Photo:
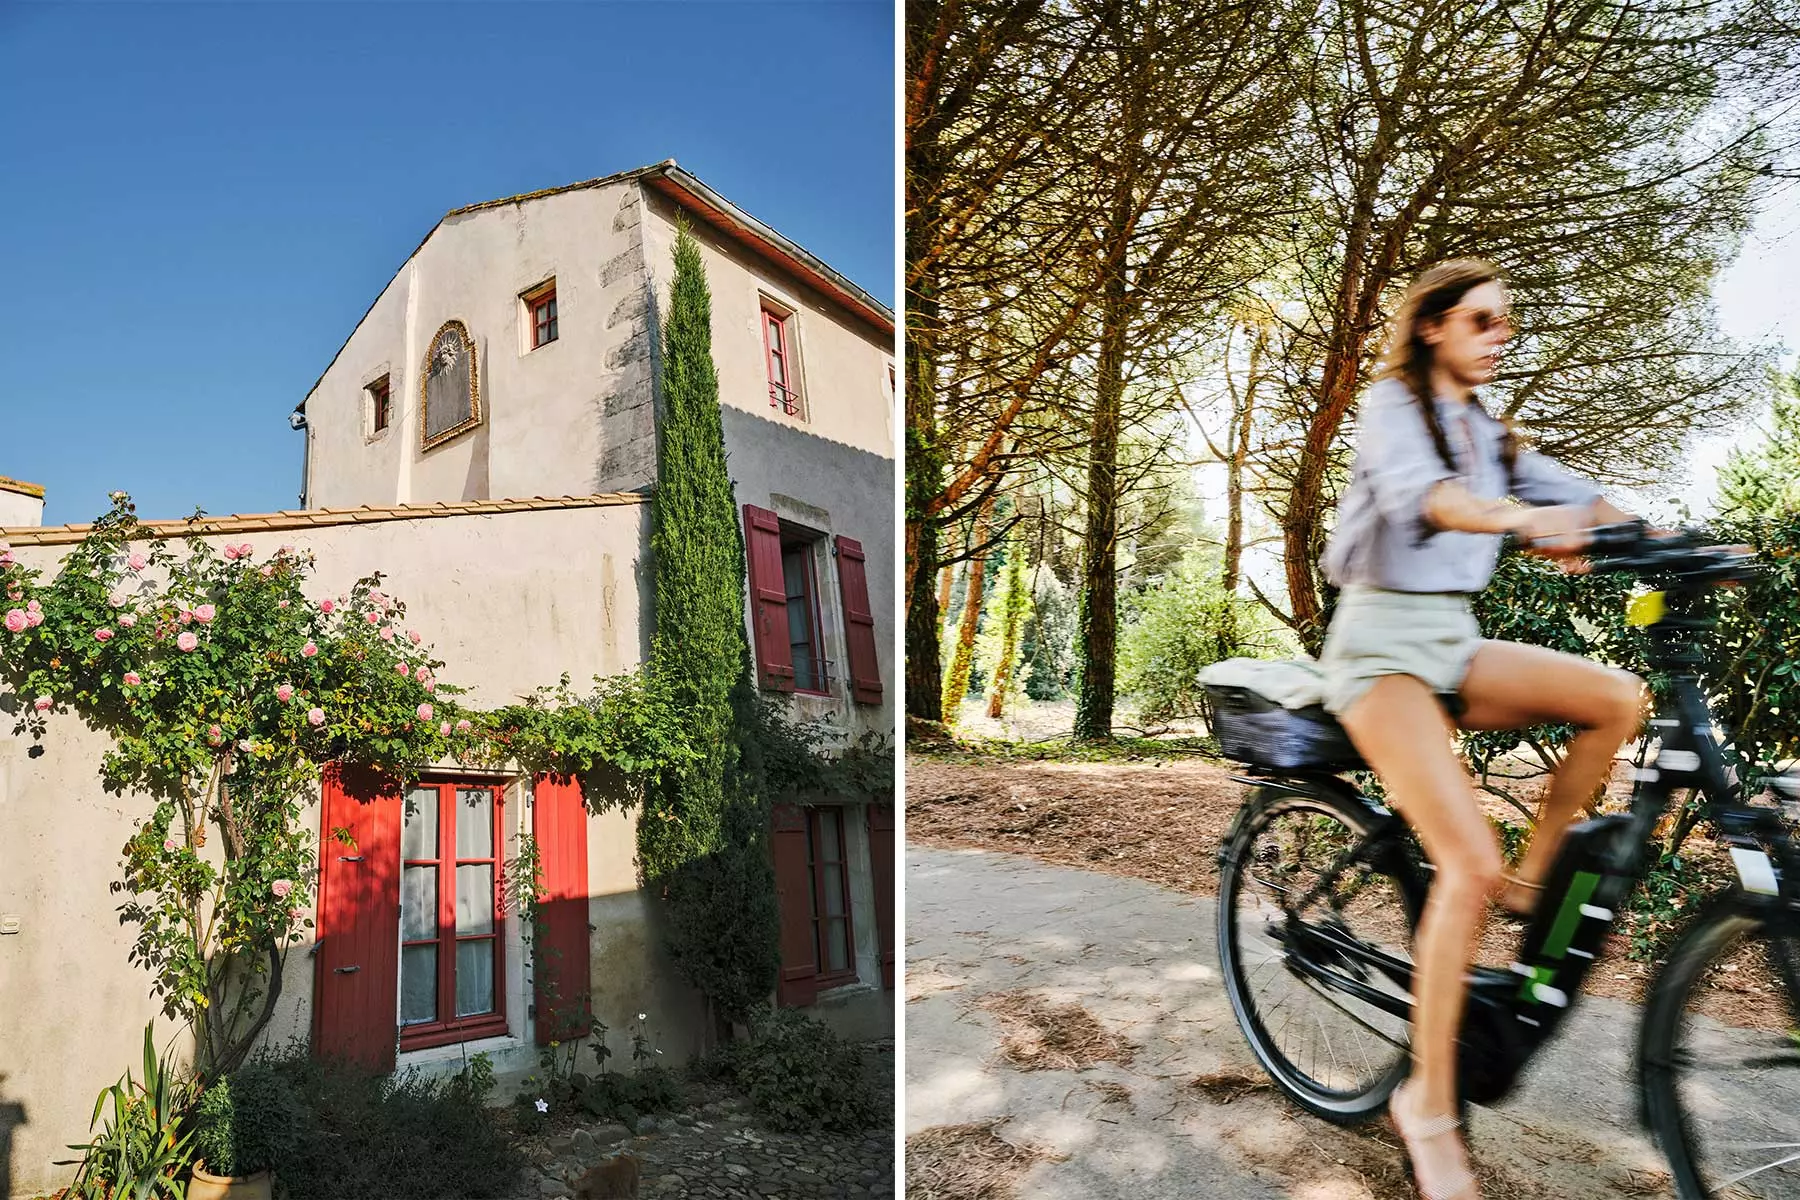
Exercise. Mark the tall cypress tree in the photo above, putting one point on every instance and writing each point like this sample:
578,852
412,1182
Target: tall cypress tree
704,836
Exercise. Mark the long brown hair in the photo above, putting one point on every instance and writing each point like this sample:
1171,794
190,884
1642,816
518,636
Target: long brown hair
1409,356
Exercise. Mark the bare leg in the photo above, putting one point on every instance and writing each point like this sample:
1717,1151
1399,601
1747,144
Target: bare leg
1510,686
1401,732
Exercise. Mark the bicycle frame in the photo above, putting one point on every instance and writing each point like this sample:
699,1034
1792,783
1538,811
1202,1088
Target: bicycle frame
1511,1013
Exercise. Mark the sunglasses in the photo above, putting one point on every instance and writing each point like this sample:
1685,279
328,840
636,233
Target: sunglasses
1485,320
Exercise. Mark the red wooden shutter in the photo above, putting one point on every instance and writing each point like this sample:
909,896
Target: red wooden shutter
356,990
560,955
859,623
881,873
794,897
768,599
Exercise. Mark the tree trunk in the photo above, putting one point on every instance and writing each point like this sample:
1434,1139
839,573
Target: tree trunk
1242,422
924,463
963,657
1012,616
946,581
1097,637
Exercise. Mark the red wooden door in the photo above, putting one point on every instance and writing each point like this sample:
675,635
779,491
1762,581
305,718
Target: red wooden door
560,953
357,976
798,985
881,874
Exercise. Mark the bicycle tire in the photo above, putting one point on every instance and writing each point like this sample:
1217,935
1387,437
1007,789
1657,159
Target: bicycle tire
1243,961
1676,1051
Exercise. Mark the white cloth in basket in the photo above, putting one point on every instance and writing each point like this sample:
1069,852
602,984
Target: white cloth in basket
1289,682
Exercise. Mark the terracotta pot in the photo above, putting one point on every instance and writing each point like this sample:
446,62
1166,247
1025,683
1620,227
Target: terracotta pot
207,1186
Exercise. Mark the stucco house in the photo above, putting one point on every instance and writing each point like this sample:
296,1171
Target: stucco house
486,438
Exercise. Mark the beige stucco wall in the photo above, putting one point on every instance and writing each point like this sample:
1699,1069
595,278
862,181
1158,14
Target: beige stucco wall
569,418
510,601
20,504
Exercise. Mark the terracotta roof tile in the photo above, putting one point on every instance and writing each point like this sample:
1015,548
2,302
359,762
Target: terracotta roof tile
57,535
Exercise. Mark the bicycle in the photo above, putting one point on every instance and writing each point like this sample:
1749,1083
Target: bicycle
1321,885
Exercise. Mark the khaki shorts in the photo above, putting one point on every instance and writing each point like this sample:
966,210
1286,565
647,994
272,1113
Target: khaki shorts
1431,636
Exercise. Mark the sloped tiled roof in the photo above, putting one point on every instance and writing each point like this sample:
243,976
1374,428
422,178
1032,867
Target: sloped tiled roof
313,518
21,487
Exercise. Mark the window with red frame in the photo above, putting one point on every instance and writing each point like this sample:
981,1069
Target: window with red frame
778,347
451,966
801,582
380,404
831,895
542,305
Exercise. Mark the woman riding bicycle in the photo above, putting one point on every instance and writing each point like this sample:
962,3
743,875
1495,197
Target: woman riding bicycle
1418,533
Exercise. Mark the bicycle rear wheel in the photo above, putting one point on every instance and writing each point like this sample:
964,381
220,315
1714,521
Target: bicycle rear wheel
1298,987
1720,1069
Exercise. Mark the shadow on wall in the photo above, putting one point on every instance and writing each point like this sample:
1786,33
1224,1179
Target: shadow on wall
12,1114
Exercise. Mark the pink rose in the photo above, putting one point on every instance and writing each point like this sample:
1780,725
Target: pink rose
126,620
34,606
285,692
119,598
387,633
401,667
34,617
42,704
315,716
6,558
245,550
412,636
187,641
205,613
424,712
268,571
214,734
103,635
132,679
308,650
444,729
281,604
230,552
326,607
430,685
374,618
185,617
463,726
15,620
285,550
137,562
169,845
281,887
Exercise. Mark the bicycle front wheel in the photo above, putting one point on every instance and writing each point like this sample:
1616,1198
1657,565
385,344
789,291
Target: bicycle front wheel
1309,884
1720,1066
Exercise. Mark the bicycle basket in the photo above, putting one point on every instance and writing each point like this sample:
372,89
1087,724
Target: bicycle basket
1254,729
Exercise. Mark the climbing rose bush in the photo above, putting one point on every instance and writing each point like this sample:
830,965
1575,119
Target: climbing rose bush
226,690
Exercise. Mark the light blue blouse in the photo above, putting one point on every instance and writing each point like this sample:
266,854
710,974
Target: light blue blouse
1382,538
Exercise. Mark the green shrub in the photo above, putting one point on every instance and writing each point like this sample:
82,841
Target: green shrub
403,1137
1184,622
138,1153
800,1075
246,1121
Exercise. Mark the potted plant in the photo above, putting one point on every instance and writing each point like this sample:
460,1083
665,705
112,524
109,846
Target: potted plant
244,1124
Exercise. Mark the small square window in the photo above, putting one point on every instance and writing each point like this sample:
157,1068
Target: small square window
540,314
381,402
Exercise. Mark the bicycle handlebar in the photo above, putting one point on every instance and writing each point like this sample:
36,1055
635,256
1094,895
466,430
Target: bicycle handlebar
1631,548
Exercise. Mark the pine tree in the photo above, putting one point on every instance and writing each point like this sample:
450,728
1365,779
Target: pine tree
1765,481
704,836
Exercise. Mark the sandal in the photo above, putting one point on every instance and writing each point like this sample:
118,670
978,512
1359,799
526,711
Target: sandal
1509,901
1460,1186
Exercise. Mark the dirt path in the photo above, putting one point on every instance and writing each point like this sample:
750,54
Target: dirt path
1162,821
1068,1038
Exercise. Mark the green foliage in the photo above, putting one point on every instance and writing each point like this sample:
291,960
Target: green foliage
246,1121
405,1136
1659,909
801,1076
998,646
648,1088
141,1150
1049,639
1764,481
475,1082
1180,624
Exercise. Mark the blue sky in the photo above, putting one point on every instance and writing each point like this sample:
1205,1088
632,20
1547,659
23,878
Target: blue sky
198,201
